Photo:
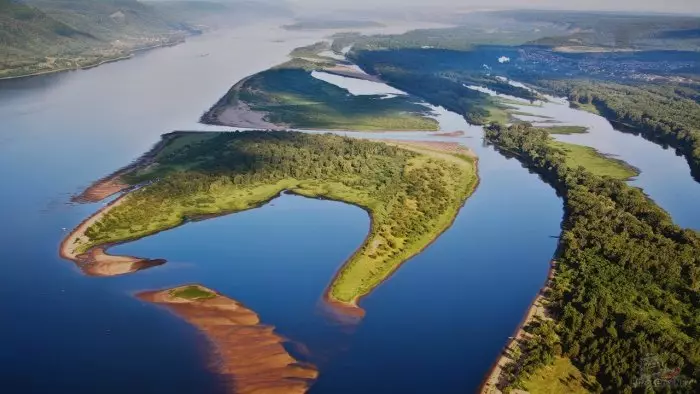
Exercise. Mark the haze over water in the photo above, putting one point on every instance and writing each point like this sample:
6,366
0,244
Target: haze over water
444,316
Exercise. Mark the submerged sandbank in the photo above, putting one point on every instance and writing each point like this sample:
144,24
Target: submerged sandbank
248,354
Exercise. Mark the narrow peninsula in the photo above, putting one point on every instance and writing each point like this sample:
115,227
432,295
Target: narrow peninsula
412,192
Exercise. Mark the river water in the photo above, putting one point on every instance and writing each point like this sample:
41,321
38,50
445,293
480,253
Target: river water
436,326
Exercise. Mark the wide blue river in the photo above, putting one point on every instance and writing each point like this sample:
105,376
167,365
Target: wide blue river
436,326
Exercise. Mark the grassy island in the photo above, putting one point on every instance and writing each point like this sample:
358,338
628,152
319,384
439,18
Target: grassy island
289,96
412,192
624,289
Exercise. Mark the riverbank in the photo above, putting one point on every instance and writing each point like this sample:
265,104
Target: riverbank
248,354
114,182
434,179
348,309
495,378
96,261
130,54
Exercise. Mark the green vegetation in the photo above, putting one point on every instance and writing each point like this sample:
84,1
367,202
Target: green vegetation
441,78
43,36
627,279
557,378
293,97
312,51
39,36
412,194
192,293
566,129
667,114
594,161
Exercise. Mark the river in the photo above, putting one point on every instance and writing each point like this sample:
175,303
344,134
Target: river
435,326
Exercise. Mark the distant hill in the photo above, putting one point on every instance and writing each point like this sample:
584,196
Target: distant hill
332,24
39,36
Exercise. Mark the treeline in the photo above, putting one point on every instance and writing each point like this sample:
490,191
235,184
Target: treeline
441,77
411,197
627,282
667,114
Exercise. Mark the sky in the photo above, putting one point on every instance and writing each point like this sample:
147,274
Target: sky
675,6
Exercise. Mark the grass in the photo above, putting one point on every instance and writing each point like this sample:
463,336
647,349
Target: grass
585,107
412,194
594,161
192,293
293,97
560,377
566,129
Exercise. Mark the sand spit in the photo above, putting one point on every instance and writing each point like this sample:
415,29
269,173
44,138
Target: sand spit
350,72
457,133
495,380
95,261
250,355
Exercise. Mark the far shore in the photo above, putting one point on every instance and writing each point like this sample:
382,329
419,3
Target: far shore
128,56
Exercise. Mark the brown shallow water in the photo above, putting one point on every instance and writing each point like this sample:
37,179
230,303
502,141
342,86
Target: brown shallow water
248,354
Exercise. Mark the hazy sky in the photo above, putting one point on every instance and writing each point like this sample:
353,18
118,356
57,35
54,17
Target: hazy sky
627,5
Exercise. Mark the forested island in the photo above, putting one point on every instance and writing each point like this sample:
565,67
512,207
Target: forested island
624,288
412,192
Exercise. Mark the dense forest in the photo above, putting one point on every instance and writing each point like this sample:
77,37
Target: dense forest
668,114
627,282
412,194
442,77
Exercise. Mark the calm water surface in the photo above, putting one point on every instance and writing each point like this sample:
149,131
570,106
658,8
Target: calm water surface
436,326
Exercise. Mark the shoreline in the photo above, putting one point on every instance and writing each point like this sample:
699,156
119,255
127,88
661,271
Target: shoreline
352,311
537,308
97,262
129,55
111,184
248,354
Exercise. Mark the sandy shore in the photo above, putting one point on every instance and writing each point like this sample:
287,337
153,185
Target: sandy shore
95,261
248,354
457,133
241,115
493,383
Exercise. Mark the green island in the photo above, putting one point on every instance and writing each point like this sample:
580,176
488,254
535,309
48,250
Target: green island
594,161
565,130
289,96
192,292
625,284
412,191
